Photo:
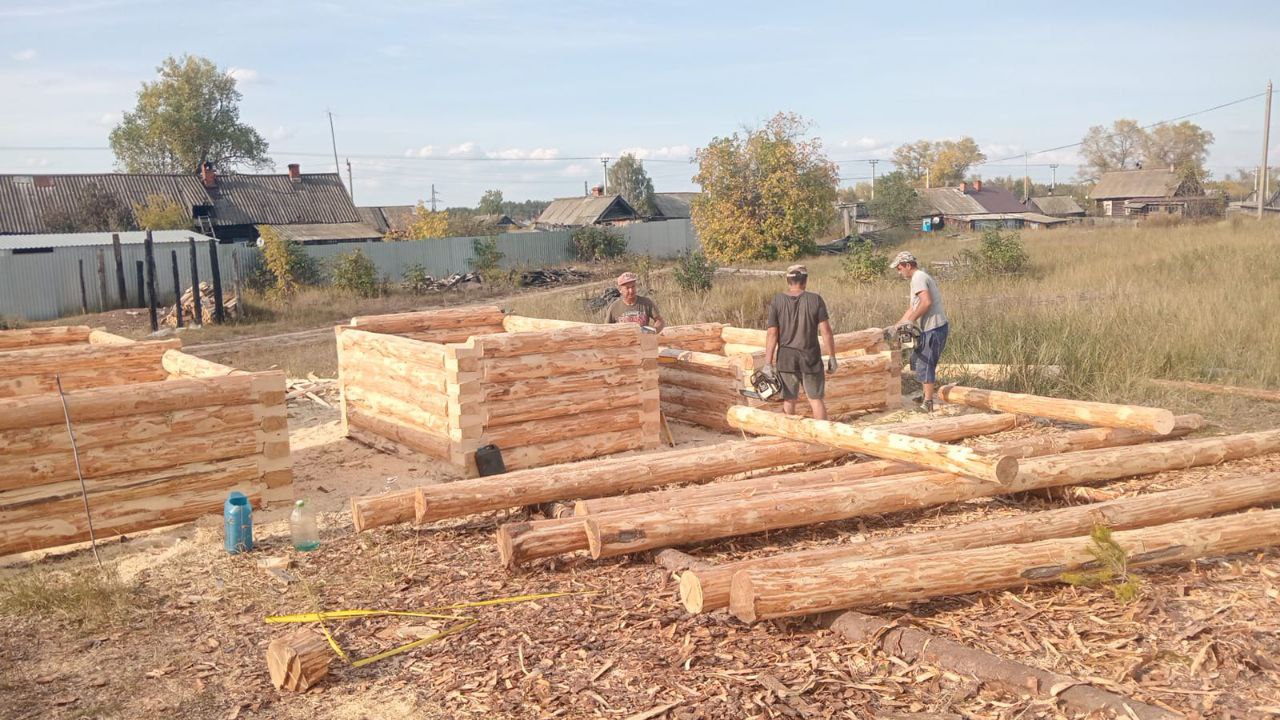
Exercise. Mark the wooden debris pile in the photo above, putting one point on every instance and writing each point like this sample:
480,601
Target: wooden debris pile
321,391
207,305
552,276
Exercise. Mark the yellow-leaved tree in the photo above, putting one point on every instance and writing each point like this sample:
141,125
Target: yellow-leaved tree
423,224
160,212
766,193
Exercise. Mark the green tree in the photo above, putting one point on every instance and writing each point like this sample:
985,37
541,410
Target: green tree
160,212
913,158
1105,150
355,273
1182,146
490,203
895,202
96,210
189,115
595,242
628,178
766,193
952,159
423,224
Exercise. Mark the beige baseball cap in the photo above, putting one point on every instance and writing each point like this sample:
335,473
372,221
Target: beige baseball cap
902,257
797,271
626,277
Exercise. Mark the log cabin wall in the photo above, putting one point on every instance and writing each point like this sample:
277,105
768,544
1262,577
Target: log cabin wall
543,391
158,445
699,387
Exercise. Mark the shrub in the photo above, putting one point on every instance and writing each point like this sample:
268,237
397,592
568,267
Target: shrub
288,265
999,254
863,263
415,279
596,243
356,273
487,255
694,272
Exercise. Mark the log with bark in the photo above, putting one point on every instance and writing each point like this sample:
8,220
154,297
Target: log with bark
764,594
878,443
1135,417
299,660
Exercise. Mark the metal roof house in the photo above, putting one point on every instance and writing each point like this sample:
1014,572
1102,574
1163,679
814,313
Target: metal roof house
229,207
1063,206
975,206
1145,192
589,210
674,204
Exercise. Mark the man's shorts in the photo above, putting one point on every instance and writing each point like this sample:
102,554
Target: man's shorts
929,348
815,385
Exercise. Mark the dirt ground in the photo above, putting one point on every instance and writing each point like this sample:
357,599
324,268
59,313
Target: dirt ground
185,637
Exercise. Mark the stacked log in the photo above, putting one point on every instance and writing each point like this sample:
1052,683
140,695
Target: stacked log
702,337
230,307
1147,419
459,379
763,594
152,454
33,371
28,338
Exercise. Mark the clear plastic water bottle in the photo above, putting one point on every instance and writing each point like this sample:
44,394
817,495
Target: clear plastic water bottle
303,528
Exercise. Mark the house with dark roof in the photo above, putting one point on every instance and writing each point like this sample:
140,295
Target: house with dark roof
975,206
387,218
1062,206
1148,192
229,207
674,205
595,209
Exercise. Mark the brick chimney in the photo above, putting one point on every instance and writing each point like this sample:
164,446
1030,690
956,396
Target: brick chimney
295,172
964,187
597,191
977,186
208,176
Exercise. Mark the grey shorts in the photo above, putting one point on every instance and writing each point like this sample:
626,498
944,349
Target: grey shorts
815,385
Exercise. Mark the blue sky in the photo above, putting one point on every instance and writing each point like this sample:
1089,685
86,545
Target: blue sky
487,94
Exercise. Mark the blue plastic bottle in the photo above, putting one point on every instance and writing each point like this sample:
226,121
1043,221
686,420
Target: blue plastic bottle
237,516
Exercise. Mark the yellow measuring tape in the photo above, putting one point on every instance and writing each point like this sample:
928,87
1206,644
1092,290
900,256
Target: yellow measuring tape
464,621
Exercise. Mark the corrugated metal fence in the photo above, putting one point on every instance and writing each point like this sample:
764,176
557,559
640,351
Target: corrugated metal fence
43,286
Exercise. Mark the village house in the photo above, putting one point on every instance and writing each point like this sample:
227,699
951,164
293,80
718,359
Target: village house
1059,206
1148,192
594,209
978,206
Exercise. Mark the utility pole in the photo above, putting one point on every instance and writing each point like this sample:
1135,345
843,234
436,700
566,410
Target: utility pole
351,184
433,197
585,191
1026,176
334,139
604,161
873,178
926,179
1266,143
1054,187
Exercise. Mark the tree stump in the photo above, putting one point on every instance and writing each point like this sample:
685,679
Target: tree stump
298,660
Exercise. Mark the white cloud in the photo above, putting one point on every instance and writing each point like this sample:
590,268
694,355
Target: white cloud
24,55
393,51
577,169
282,133
670,152
424,151
466,149
522,154
243,75
37,162
110,118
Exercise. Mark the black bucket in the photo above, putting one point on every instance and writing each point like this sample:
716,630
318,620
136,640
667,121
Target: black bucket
489,461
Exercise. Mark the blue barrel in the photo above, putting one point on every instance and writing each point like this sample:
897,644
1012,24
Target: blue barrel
237,516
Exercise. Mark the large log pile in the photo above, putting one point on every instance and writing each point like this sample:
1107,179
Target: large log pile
448,382
208,304
162,438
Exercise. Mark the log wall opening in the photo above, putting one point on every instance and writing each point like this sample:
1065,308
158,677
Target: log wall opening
447,382
163,436
704,366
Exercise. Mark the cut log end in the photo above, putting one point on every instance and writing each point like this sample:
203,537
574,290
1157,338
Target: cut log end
421,508
1006,469
691,591
357,517
1164,423
592,528
742,603
506,546
581,508
298,660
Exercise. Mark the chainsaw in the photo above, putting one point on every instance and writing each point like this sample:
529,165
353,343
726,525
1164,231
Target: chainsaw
764,386
905,337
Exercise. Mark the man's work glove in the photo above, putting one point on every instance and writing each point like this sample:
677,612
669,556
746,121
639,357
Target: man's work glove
768,370
831,365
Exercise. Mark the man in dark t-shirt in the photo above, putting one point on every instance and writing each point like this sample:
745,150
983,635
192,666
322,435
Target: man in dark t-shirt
796,317
633,308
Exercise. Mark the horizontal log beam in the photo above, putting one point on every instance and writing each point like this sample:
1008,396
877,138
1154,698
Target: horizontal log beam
1134,417
119,402
586,337
396,323
27,338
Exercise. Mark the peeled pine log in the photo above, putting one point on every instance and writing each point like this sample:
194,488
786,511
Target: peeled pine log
879,443
558,385
571,428
553,363
619,533
102,337
470,316
1090,439
1233,390
453,335
559,452
180,364
670,376
540,408
298,660
48,439
378,346
43,336
857,340
1134,417
699,362
122,402
521,323
522,542
764,594
585,337
1026,447
701,337
359,397
373,430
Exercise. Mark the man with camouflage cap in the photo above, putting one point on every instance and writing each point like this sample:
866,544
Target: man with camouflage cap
796,317
633,308
926,311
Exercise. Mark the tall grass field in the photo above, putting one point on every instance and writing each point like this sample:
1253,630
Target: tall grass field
1112,307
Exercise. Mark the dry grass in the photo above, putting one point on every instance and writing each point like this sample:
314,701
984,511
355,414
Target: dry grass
1111,306
75,593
